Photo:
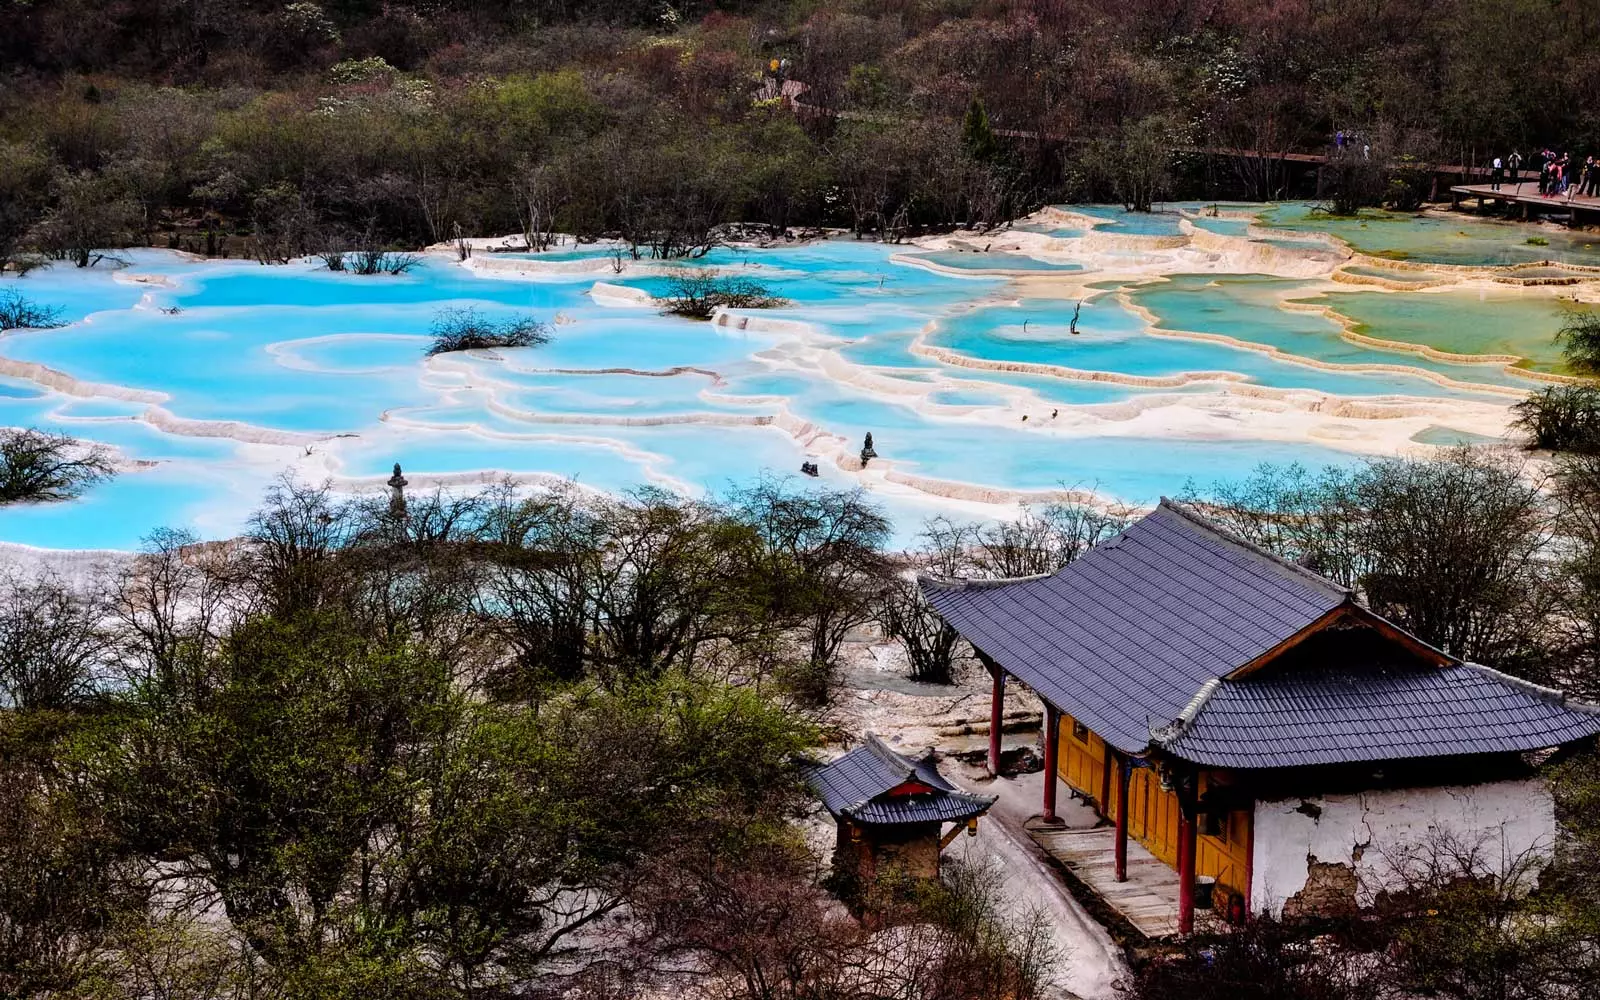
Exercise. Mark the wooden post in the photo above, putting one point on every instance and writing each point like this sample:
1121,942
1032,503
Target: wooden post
1249,858
997,704
1186,846
1105,780
1052,752
1123,771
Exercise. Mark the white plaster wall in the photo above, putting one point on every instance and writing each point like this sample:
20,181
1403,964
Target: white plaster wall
1373,831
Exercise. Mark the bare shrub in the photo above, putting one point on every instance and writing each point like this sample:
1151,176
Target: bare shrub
36,465
20,313
369,261
468,329
1449,548
700,292
51,644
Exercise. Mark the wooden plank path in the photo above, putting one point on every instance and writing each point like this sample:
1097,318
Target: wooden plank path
1148,900
792,91
1524,199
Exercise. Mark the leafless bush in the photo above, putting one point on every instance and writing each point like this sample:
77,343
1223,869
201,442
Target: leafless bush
468,329
51,645
1450,548
367,261
20,313
1040,541
700,292
755,926
39,466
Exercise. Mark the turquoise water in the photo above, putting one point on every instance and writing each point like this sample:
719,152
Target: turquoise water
1223,227
211,379
1164,221
967,260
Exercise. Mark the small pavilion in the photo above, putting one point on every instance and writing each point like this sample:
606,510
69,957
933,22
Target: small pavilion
1252,724
890,809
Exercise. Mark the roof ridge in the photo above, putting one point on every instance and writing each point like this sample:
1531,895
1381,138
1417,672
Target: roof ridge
1537,690
976,583
894,759
1211,527
1169,733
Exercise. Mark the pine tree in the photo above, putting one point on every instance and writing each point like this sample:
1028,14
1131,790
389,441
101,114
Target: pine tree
977,136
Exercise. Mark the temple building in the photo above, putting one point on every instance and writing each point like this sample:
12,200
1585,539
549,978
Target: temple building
890,811
1256,728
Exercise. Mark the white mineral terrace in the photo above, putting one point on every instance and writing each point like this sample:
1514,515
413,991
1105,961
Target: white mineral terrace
1085,353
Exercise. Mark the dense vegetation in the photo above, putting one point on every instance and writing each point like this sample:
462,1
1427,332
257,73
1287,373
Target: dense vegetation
497,744
432,749
247,126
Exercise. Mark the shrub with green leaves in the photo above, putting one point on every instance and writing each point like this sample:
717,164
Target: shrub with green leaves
1579,338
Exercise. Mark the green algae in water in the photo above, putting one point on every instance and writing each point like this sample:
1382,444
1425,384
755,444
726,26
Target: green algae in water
1392,274
1449,437
1437,238
1250,308
1468,321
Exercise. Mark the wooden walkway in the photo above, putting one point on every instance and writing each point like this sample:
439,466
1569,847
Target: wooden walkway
1524,200
1148,900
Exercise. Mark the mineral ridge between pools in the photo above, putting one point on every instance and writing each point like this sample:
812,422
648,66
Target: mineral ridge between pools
1087,352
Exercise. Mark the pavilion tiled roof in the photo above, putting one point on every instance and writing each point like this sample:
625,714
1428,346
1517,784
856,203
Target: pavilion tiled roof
1138,638
1357,715
854,787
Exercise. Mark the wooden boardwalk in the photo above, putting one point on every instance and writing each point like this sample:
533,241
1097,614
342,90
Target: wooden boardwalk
1524,200
1148,900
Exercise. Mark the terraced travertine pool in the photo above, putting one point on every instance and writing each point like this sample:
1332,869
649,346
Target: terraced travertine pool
1189,363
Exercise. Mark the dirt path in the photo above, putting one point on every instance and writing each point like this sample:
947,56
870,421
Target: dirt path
1092,961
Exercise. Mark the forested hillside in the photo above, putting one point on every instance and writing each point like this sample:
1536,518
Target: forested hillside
263,127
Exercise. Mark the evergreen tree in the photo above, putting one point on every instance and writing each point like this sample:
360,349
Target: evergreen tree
977,135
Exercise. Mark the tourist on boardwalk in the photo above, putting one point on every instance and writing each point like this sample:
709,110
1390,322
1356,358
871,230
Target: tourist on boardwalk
1513,164
1591,177
1499,171
1544,177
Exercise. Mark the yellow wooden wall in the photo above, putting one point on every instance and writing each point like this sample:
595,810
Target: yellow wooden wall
1152,811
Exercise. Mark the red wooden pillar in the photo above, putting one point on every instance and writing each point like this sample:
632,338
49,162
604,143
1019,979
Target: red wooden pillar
1123,773
1052,747
1249,859
1186,845
1105,782
997,704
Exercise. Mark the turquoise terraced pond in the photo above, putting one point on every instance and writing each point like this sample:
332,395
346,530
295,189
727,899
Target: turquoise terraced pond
211,379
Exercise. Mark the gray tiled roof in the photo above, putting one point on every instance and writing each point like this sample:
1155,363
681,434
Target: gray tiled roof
1124,637
1137,638
1329,716
852,785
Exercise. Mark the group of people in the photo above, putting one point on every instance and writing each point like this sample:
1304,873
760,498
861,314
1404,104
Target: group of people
1559,173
